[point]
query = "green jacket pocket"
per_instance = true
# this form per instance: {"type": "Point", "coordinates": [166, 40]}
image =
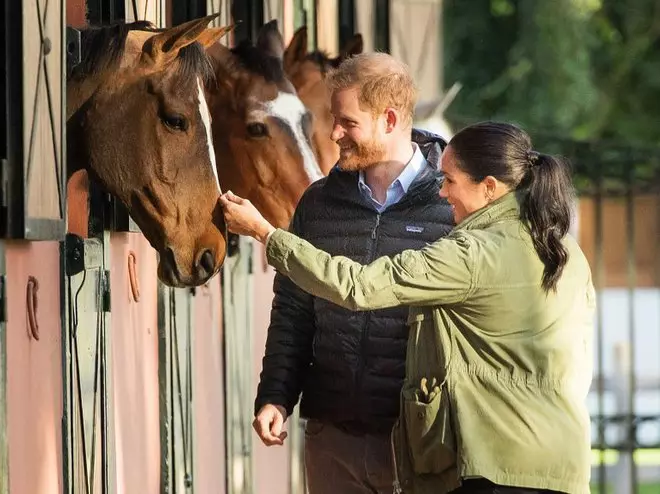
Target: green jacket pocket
{"type": "Point", "coordinates": [428, 427]}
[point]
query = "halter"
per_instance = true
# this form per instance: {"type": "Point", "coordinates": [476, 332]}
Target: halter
{"type": "Point", "coordinates": [73, 53]}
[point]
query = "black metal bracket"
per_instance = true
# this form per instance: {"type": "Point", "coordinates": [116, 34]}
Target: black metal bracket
{"type": "Point", "coordinates": [73, 50]}
{"type": "Point", "coordinates": [233, 246]}
{"type": "Point", "coordinates": [81, 254]}
{"type": "Point", "coordinates": [3, 298]}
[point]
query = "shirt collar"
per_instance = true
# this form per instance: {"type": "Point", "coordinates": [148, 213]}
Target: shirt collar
{"type": "Point", "coordinates": [407, 175]}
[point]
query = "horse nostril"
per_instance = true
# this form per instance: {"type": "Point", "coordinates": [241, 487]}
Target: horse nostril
{"type": "Point", "coordinates": [207, 262]}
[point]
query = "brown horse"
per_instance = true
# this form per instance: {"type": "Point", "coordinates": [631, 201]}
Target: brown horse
{"type": "Point", "coordinates": [261, 130]}
{"type": "Point", "coordinates": [307, 73]}
{"type": "Point", "coordinates": [138, 122]}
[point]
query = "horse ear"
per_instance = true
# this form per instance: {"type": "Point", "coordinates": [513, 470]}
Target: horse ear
{"type": "Point", "coordinates": [297, 49]}
{"type": "Point", "coordinates": [213, 34]}
{"type": "Point", "coordinates": [270, 40]}
{"type": "Point", "coordinates": [354, 46]}
{"type": "Point", "coordinates": [165, 46]}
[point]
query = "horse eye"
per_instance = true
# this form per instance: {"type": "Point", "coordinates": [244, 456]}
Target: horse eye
{"type": "Point", "coordinates": [257, 129]}
{"type": "Point", "coordinates": [175, 122]}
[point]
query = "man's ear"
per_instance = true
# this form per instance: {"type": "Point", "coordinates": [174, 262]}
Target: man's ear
{"type": "Point", "coordinates": [391, 119]}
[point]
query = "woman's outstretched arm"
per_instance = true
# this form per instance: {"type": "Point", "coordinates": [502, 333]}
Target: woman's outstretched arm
{"type": "Point", "coordinates": [441, 273]}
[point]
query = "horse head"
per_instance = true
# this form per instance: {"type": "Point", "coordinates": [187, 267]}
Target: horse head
{"type": "Point", "coordinates": [261, 130]}
{"type": "Point", "coordinates": [138, 122]}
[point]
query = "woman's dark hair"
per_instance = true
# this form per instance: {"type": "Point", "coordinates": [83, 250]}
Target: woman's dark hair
{"type": "Point", "coordinates": [505, 152]}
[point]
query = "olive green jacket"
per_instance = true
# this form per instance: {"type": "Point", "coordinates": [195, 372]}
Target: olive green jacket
{"type": "Point", "coordinates": [497, 370]}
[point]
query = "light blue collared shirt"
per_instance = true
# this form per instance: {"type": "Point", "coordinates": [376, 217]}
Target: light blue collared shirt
{"type": "Point", "coordinates": [401, 184]}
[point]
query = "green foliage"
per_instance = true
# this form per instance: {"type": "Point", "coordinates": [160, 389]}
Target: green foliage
{"type": "Point", "coordinates": [587, 69]}
{"type": "Point", "coordinates": [567, 70]}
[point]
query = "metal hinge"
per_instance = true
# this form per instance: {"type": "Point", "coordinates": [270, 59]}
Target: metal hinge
{"type": "Point", "coordinates": [105, 290]}
{"type": "Point", "coordinates": [4, 182]}
{"type": "Point", "coordinates": [73, 52]}
{"type": "Point", "coordinates": [3, 298]}
{"type": "Point", "coordinates": [82, 254]}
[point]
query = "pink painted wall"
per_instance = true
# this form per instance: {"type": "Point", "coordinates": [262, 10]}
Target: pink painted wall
{"type": "Point", "coordinates": [134, 340]}
{"type": "Point", "coordinates": [271, 464]}
{"type": "Point", "coordinates": [208, 393]}
{"type": "Point", "coordinates": [34, 371]}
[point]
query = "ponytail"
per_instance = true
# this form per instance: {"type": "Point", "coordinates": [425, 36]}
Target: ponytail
{"type": "Point", "coordinates": [546, 209]}
{"type": "Point", "coordinates": [504, 151]}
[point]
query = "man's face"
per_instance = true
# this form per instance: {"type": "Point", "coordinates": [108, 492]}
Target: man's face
{"type": "Point", "coordinates": [360, 136]}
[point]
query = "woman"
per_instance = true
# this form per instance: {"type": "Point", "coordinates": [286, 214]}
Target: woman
{"type": "Point", "coordinates": [499, 356]}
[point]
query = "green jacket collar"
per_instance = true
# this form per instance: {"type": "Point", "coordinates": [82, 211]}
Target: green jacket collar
{"type": "Point", "coordinates": [505, 208]}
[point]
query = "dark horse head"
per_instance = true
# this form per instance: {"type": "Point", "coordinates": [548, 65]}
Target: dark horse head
{"type": "Point", "coordinates": [261, 130]}
{"type": "Point", "coordinates": [138, 122]}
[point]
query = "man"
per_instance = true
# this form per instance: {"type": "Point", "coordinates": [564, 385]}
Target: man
{"type": "Point", "coordinates": [381, 198]}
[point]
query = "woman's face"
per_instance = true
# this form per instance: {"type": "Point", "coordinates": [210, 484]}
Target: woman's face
{"type": "Point", "coordinates": [465, 195]}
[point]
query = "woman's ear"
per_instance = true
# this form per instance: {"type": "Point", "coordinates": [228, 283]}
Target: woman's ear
{"type": "Point", "coordinates": [490, 183]}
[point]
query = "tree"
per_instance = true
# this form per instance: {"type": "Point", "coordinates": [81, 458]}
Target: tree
{"type": "Point", "coordinates": [583, 69]}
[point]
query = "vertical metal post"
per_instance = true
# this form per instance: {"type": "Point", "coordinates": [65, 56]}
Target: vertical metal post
{"type": "Point", "coordinates": [631, 423]}
{"type": "Point", "coordinates": [621, 387]}
{"type": "Point", "coordinates": [345, 21]}
{"type": "Point", "coordinates": [250, 13]}
{"type": "Point", "coordinates": [382, 25]}
{"type": "Point", "coordinates": [4, 442]}
{"type": "Point", "coordinates": [599, 282]}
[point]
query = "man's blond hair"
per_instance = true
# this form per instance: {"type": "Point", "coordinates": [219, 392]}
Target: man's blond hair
{"type": "Point", "coordinates": [382, 82]}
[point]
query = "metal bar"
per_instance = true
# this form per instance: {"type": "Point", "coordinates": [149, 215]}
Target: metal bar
{"type": "Point", "coordinates": [78, 392]}
{"type": "Point", "coordinates": [96, 388]}
{"type": "Point", "coordinates": [135, 10]}
{"type": "Point", "coordinates": [49, 98]}
{"type": "Point", "coordinates": [189, 430]}
{"type": "Point", "coordinates": [63, 113]}
{"type": "Point", "coordinates": [171, 389]}
{"type": "Point", "coordinates": [33, 126]}
{"type": "Point", "coordinates": [104, 385]}
{"type": "Point", "coordinates": [44, 228]}
{"type": "Point", "coordinates": [599, 282]}
{"type": "Point", "coordinates": [382, 25]}
{"type": "Point", "coordinates": [66, 318]}
{"type": "Point", "coordinates": [345, 21]}
{"type": "Point", "coordinates": [224, 354]}
{"type": "Point", "coordinates": [632, 282]}
{"type": "Point", "coordinates": [4, 440]}
{"type": "Point", "coordinates": [165, 425]}
{"type": "Point", "coordinates": [250, 13]}
{"type": "Point", "coordinates": [15, 219]}
{"type": "Point", "coordinates": [174, 331]}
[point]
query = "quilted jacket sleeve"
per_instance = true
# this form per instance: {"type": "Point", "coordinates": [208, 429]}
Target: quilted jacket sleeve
{"type": "Point", "coordinates": [289, 341]}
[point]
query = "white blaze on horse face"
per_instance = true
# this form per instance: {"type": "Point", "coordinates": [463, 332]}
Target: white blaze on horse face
{"type": "Point", "coordinates": [288, 108]}
{"type": "Point", "coordinates": [206, 120]}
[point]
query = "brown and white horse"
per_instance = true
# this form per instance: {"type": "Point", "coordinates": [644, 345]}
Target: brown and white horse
{"type": "Point", "coordinates": [138, 122]}
{"type": "Point", "coordinates": [262, 131]}
{"type": "Point", "coordinates": [307, 71]}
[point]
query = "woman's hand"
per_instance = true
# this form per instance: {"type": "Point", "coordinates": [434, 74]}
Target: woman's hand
{"type": "Point", "coordinates": [243, 218]}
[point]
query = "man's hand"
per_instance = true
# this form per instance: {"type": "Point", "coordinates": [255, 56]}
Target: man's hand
{"type": "Point", "coordinates": [243, 218]}
{"type": "Point", "coordinates": [268, 424]}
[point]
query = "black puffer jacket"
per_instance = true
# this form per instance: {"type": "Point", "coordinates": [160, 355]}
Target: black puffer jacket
{"type": "Point", "coordinates": [349, 365]}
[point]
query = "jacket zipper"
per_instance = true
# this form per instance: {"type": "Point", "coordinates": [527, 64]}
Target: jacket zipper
{"type": "Point", "coordinates": [374, 233]}
{"type": "Point", "coordinates": [396, 484]}
{"type": "Point", "coordinates": [367, 318]}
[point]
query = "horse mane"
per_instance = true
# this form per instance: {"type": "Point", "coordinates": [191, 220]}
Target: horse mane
{"type": "Point", "coordinates": [253, 60]}
{"type": "Point", "coordinates": [103, 46]}
{"type": "Point", "coordinates": [323, 60]}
